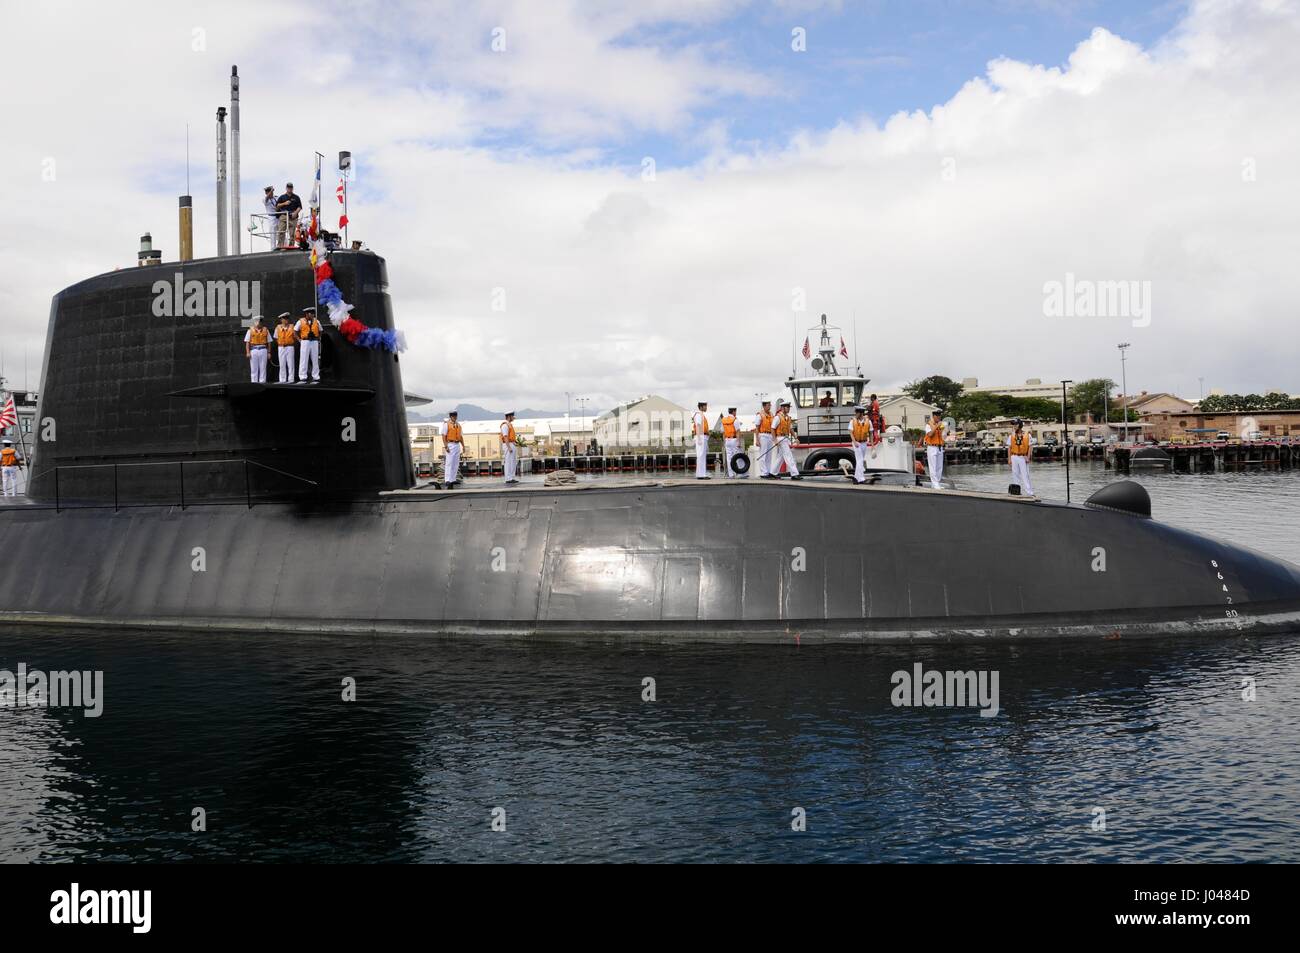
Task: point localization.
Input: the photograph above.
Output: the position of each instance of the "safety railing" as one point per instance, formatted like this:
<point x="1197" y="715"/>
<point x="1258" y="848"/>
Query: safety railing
<point x="243" y="462"/>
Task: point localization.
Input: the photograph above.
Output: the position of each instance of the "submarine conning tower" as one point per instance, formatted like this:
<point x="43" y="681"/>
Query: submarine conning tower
<point x="147" y="397"/>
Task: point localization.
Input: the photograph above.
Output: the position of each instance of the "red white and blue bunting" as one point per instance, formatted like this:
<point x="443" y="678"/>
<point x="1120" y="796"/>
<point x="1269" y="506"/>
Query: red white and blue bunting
<point x="328" y="294"/>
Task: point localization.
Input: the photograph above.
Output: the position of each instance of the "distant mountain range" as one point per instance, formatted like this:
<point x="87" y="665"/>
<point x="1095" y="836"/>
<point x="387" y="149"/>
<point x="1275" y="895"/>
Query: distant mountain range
<point x="475" y="412"/>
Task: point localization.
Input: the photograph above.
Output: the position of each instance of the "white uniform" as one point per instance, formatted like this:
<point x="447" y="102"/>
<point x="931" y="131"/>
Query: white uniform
<point x="730" y="445"/>
<point x="699" y="427"/>
<point x="785" y="452"/>
<point x="1020" y="468"/>
<point x="451" y="465"/>
<point x="934" y="457"/>
<point x="308" y="352"/>
<point x="509" y="453"/>
<point x="860" y="450"/>
<point x="764" y="447"/>
<point x="256" y="359"/>
<point x="9" y="480"/>
<point x="285" y="353"/>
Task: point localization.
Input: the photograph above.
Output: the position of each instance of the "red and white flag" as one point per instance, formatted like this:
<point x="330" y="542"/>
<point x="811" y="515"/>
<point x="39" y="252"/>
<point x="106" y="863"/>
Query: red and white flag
<point x="807" y="349"/>
<point x="844" y="348"/>
<point x="8" y="416"/>
<point x="341" y="194"/>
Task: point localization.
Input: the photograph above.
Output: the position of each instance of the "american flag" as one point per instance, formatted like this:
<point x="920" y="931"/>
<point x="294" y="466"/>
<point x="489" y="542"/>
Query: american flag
<point x="844" y="348"/>
<point x="9" y="415"/>
<point x="807" y="349"/>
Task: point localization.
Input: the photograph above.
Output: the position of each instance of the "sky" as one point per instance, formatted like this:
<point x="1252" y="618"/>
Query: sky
<point x="610" y="199"/>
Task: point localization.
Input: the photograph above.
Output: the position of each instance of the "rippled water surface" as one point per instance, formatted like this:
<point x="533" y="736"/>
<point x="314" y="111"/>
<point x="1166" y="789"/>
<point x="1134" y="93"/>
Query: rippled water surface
<point x="252" y="729"/>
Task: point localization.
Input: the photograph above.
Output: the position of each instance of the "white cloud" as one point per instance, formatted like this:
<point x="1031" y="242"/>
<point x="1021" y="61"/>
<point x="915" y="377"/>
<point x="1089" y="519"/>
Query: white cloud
<point x="1121" y="164"/>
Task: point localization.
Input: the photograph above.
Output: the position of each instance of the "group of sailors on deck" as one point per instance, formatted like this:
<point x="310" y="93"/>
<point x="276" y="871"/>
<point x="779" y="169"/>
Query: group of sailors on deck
<point x="453" y="439"/>
<point x="304" y="336"/>
<point x="774" y="436"/>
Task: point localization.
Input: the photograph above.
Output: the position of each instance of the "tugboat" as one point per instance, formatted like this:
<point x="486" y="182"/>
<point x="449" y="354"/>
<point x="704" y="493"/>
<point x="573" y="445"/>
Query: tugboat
<point x="824" y="404"/>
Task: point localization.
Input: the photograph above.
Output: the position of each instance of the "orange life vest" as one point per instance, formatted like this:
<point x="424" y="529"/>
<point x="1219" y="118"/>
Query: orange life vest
<point x="8" y="457"/>
<point x="934" y="438"/>
<point x="509" y="437"/>
<point x="729" y="430"/>
<point x="257" y="337"/>
<point x="453" y="432"/>
<point x="861" y="430"/>
<point x="764" y="422"/>
<point x="1020" y="444"/>
<point x="308" y="331"/>
<point x="284" y="336"/>
<point x="702" y="428"/>
<point x="783" y="425"/>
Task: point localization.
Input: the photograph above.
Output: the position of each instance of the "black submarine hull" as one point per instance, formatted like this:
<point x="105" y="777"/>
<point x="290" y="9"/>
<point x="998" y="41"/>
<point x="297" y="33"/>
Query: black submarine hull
<point x="745" y="562"/>
<point x="170" y="490"/>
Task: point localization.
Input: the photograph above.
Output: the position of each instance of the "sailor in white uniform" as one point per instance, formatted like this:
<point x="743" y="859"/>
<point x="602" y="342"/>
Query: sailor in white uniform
<point x="782" y="435"/>
<point x="454" y="441"/>
<point x="860" y="436"/>
<point x="934" y="449"/>
<point x="1019" y="448"/>
<point x="308" y="331"/>
<point x="256" y="341"/>
<point x="9" y="466"/>
<point x="763" y="430"/>
<point x="700" y="430"/>
<point x="509" y="449"/>
<point x="285" y="338"/>
<point x="730" y="425"/>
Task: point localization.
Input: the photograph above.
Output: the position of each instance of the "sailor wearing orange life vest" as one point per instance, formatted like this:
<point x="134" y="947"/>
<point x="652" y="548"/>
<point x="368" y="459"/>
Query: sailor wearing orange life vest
<point x="255" y="344"/>
<point x="933" y="441"/>
<point x="860" y="435"/>
<point x="1019" y="447"/>
<point x="509" y="449"/>
<point x="285" y="337"/>
<point x="700" y="431"/>
<point x="9" y="466"/>
<point x="763" y="429"/>
<point x="453" y="441"/>
<point x="308" y="332"/>
<point x="782" y="435"/>
<point x="730" y="425"/>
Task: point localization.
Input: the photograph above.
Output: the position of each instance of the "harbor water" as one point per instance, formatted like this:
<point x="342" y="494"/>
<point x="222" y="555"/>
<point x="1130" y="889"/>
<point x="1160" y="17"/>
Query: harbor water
<point x="461" y="750"/>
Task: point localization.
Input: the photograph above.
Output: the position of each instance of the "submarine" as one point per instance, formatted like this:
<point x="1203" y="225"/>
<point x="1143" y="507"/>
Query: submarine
<point x="169" y="491"/>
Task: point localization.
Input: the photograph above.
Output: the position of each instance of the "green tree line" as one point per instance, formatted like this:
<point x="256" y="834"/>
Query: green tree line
<point x="978" y="407"/>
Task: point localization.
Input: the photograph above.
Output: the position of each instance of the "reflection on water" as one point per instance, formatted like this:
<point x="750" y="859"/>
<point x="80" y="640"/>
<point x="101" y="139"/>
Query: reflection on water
<point x="252" y="729"/>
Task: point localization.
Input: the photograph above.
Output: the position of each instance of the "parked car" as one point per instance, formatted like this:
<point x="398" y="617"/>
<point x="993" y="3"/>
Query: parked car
<point x="1223" y="435"/>
<point x="1255" y="435"/>
<point x="1097" y="439"/>
<point x="1050" y="440"/>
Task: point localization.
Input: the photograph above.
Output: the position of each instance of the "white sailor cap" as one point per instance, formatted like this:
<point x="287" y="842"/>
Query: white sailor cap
<point x="7" y="440"/>
<point x="858" y="408"/>
<point x="285" y="314"/>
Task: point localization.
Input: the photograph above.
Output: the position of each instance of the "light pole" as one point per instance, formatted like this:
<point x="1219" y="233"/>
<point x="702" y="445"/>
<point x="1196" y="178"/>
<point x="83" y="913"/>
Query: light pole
<point x="1065" y="427"/>
<point x="1123" y="376"/>
<point x="582" y="415"/>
